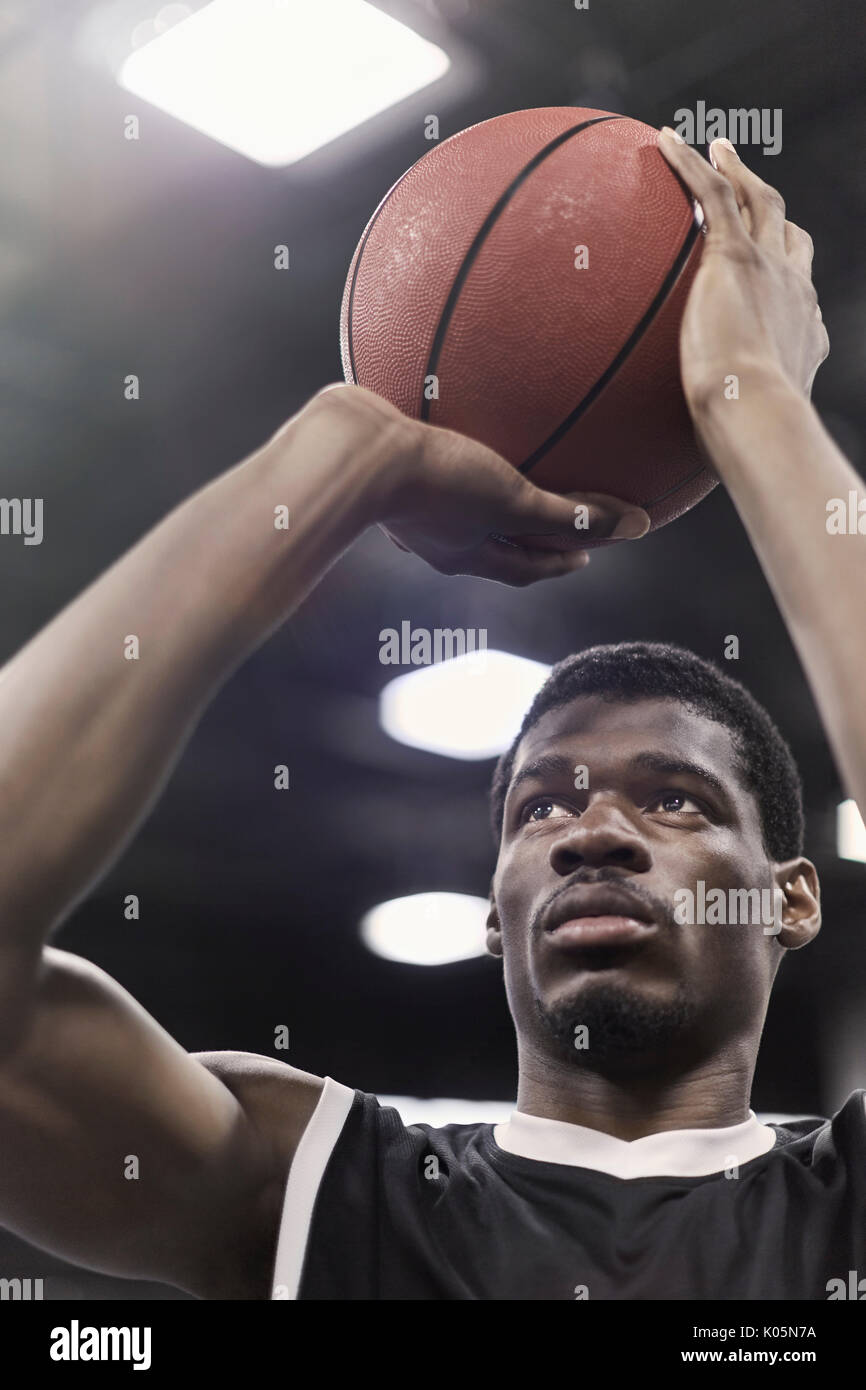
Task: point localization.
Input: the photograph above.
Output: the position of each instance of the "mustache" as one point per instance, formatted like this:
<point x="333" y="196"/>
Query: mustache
<point x="660" y="911"/>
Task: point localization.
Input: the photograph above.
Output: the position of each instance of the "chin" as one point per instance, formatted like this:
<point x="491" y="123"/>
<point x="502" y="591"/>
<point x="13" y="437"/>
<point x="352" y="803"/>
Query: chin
<point x="609" y="1019"/>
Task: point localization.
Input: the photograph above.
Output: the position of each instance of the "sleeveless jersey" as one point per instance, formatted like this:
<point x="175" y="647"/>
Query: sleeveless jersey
<point x="376" y="1209"/>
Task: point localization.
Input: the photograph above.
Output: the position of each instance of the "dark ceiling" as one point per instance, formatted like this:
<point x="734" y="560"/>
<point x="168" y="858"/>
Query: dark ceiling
<point x="155" y="257"/>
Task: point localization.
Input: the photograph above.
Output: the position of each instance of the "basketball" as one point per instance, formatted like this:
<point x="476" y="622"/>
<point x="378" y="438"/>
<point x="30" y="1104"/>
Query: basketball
<point x="524" y="283"/>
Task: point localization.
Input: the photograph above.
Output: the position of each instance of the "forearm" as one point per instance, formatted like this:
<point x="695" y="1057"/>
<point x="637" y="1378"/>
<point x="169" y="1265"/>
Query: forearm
<point x="88" y="736"/>
<point x="781" y="469"/>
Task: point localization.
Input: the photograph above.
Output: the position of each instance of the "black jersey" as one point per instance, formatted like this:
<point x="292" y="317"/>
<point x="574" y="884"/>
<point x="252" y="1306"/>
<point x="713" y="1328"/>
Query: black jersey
<point x="376" y="1209"/>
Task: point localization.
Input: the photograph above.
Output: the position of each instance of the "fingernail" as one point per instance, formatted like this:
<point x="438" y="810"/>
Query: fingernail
<point x="673" y="134"/>
<point x="631" y="526"/>
<point x="728" y="146"/>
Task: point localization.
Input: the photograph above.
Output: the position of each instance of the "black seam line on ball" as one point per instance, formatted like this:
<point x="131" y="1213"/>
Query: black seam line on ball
<point x="366" y="237"/>
<point x="671" y="490"/>
<point x="481" y="236"/>
<point x="631" y="342"/>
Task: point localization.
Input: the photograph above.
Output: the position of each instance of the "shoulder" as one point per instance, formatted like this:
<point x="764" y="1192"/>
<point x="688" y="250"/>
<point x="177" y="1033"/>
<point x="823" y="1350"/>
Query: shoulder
<point x="278" y="1100"/>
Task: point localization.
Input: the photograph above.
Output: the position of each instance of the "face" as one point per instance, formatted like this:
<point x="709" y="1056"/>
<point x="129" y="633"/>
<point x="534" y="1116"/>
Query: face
<point x="588" y="896"/>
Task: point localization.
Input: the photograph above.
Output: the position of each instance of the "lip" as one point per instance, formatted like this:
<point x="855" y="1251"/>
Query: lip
<point x="596" y="909"/>
<point x="606" y="930"/>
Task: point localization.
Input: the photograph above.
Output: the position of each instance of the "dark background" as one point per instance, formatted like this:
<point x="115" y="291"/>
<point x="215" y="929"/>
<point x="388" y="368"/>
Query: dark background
<point x="156" y="257"/>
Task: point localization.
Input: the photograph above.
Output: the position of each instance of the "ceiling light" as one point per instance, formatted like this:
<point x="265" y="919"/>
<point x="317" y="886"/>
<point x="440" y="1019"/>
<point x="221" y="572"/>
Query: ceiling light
<point x="277" y="79"/>
<point x="469" y="707"/>
<point x="427" y="928"/>
<point x="442" y="1110"/>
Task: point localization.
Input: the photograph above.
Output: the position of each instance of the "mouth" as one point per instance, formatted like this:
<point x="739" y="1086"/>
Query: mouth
<point x="598" y="916"/>
<point x="601" y="931"/>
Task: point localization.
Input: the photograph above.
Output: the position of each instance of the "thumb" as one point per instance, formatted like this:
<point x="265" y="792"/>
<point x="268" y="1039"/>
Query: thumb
<point x="543" y="520"/>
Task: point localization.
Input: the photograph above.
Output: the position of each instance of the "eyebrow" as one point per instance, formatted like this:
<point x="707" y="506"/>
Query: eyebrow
<point x="555" y="765"/>
<point x="548" y="765"/>
<point x="680" y="767"/>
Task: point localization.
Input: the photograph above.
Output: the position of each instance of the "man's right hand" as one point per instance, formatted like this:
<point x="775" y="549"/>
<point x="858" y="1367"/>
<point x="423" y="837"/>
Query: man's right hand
<point x="464" y="509"/>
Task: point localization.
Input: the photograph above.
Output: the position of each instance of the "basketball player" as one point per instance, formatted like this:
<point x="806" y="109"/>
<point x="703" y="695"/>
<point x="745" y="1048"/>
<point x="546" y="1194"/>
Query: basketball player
<point x="633" y="1167"/>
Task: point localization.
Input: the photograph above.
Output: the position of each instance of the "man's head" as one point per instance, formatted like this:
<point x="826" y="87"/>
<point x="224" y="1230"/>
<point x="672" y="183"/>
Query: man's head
<point x="646" y="784"/>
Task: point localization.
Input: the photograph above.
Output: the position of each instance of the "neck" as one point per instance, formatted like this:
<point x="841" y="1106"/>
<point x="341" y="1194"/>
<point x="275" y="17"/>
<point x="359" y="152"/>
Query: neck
<point x="710" y="1094"/>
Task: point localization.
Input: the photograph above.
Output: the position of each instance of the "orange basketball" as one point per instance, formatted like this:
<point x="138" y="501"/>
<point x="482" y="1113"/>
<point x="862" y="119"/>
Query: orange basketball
<point x="524" y="283"/>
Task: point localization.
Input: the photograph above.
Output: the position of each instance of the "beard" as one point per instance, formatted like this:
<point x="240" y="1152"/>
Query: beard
<point x="623" y="1029"/>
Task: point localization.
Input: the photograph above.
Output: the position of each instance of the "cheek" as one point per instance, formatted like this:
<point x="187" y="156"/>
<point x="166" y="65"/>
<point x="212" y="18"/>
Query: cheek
<point x="730" y="954"/>
<point x="515" y="901"/>
<point x="722" y="864"/>
<point x="515" y="948"/>
<point x="726" y="954"/>
<point x="517" y="873"/>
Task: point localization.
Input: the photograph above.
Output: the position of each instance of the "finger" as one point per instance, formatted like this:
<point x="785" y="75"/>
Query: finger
<point x="800" y="247"/>
<point x="546" y="520"/>
<point x="764" y="204"/>
<point x="739" y="193"/>
<point x="631" y="522"/>
<point x="712" y="190"/>
<point x="514" y="565"/>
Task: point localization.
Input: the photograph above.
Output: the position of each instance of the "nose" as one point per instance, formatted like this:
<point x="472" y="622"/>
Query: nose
<point x="601" y="836"/>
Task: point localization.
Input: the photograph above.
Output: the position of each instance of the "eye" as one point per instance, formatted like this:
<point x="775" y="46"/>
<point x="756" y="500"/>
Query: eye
<point x="543" y="808"/>
<point x="687" y="804"/>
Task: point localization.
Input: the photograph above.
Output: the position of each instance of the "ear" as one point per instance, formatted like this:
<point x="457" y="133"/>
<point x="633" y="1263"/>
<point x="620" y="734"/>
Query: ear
<point x="494" y="930"/>
<point x="798" y="882"/>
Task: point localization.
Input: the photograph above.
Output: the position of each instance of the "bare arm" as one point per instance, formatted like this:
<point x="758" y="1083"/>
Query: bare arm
<point x="88" y="737"/>
<point x="818" y="579"/>
<point x="121" y="1152"/>
<point x="90" y="1085"/>
<point x="753" y="314"/>
<point x="117" y="1149"/>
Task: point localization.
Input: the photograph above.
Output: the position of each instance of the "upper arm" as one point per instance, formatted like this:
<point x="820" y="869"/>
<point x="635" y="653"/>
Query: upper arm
<point x="121" y="1151"/>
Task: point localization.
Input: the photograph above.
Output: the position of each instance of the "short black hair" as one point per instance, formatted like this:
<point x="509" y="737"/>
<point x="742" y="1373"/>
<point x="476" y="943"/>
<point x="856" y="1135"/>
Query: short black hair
<point x="650" y="670"/>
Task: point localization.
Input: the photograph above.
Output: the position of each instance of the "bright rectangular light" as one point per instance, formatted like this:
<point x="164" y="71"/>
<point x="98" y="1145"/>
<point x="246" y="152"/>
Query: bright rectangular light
<point x="850" y="832"/>
<point x="427" y="928"/>
<point x="276" y="79"/>
<point x="470" y="706"/>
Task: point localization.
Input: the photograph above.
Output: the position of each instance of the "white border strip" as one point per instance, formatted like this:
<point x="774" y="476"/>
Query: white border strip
<point x="305" y="1175"/>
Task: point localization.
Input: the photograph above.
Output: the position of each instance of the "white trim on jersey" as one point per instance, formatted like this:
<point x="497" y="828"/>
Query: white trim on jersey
<point x="671" y="1153"/>
<point x="305" y="1175"/>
